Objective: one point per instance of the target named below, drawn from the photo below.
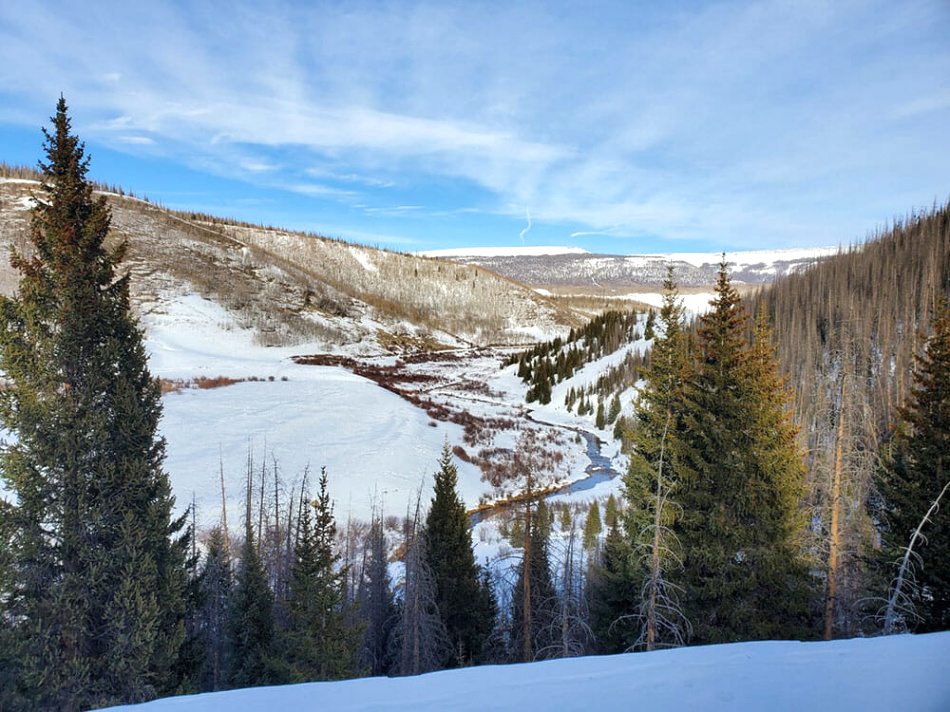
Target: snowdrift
(896, 673)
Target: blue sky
(622, 127)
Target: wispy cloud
(731, 123)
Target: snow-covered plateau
(903, 672)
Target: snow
(692, 303)
(747, 258)
(513, 251)
(742, 258)
(372, 442)
(867, 675)
(361, 257)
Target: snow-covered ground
(693, 303)
(372, 442)
(378, 448)
(864, 675)
(748, 258)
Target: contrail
(522, 233)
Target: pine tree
(376, 603)
(614, 411)
(917, 470)
(592, 526)
(566, 520)
(744, 575)
(615, 593)
(420, 641)
(213, 615)
(611, 512)
(320, 644)
(101, 574)
(7, 668)
(251, 624)
(649, 329)
(466, 611)
(657, 466)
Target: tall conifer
(917, 471)
(743, 572)
(321, 644)
(99, 597)
(376, 602)
(657, 466)
(465, 604)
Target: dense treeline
(849, 328)
(733, 532)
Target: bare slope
(295, 288)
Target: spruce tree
(376, 603)
(320, 643)
(917, 470)
(419, 641)
(213, 615)
(592, 526)
(658, 464)
(7, 687)
(99, 599)
(744, 574)
(464, 604)
(251, 626)
(615, 594)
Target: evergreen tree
(614, 411)
(7, 686)
(320, 643)
(592, 526)
(657, 465)
(601, 418)
(251, 625)
(744, 575)
(649, 330)
(420, 641)
(213, 615)
(466, 612)
(917, 470)
(611, 512)
(377, 604)
(566, 520)
(99, 601)
(615, 583)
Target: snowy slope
(371, 441)
(768, 259)
(880, 674)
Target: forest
(788, 460)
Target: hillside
(881, 674)
(293, 288)
(847, 331)
(563, 269)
